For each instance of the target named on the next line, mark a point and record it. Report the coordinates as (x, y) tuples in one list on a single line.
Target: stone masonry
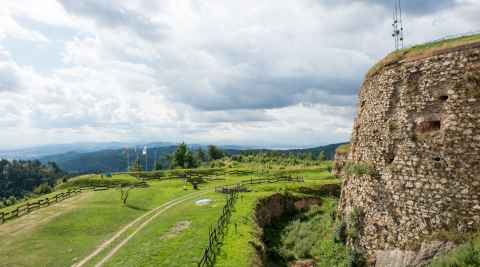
[(418, 128)]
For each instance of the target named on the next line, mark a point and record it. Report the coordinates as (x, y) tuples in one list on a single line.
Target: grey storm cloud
[(109, 13), (266, 88), (413, 7)]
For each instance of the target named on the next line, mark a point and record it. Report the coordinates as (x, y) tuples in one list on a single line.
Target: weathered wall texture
[(418, 127)]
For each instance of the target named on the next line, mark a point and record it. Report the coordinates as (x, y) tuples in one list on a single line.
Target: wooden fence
[(241, 185), (29, 206), (217, 231)]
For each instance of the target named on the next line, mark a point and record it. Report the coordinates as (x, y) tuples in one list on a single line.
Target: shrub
[(358, 169), (341, 233), (355, 258), (43, 189), (355, 224), (91, 182), (343, 149), (466, 255), (11, 201)]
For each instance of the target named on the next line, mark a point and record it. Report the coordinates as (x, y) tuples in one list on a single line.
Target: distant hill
[(48, 150), (109, 160), (115, 160), (329, 150)]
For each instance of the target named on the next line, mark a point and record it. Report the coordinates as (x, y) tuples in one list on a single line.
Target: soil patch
[(176, 229)]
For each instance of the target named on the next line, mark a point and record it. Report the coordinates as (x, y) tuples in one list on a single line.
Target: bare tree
[(124, 190)]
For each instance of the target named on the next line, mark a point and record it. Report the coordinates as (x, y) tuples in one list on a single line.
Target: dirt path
[(156, 212)]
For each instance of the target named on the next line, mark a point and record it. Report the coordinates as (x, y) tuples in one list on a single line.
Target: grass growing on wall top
[(422, 50), (343, 149)]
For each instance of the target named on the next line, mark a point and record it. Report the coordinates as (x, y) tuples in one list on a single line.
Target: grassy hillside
[(66, 233)]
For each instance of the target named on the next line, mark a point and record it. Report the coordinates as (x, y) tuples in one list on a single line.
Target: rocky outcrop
[(417, 132)]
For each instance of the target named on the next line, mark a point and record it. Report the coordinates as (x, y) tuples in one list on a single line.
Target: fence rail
[(29, 206), (217, 231)]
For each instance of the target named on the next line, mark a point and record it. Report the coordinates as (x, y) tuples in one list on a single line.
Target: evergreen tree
[(201, 157), (158, 165), (214, 153), (190, 161), (178, 158), (321, 156)]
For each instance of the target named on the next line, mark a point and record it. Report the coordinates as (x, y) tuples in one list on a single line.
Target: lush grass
[(96, 216), (466, 255), (150, 247), (74, 234), (242, 237), (422, 50), (310, 235)]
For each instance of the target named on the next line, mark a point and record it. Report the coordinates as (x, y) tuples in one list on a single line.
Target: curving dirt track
[(149, 216)]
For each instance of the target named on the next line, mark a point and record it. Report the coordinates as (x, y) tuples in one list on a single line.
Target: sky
[(250, 72)]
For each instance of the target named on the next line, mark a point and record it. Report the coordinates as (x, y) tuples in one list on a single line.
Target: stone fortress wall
[(418, 130)]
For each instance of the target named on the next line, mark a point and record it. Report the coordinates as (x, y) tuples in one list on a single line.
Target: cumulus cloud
[(252, 72), (110, 13)]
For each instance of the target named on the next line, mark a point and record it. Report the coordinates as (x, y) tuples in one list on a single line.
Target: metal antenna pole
[(401, 23), (396, 20)]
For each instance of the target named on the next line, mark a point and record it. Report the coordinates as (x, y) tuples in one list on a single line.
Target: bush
[(466, 255), (341, 233), (355, 224), (11, 201), (43, 189), (358, 169), (91, 182), (355, 258)]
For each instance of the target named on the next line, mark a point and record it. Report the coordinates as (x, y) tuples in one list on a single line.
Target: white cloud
[(254, 72)]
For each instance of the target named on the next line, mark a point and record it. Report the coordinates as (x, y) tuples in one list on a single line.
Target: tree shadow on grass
[(135, 207)]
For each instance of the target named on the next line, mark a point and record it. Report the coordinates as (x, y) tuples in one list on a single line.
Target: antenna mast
[(397, 25)]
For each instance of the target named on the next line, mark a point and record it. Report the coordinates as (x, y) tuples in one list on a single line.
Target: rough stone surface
[(418, 127), (401, 258)]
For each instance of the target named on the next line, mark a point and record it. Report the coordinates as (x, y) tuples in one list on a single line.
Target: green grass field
[(66, 233)]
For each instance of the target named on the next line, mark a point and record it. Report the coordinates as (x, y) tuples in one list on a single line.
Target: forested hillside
[(114, 160), (18, 178)]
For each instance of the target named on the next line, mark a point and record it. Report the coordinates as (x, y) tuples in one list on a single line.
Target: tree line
[(187, 158), (19, 178), (183, 158)]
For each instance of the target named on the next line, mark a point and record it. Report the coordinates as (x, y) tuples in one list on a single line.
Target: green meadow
[(77, 230)]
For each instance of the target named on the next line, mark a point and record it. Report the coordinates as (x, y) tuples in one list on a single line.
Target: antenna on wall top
[(397, 24)]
